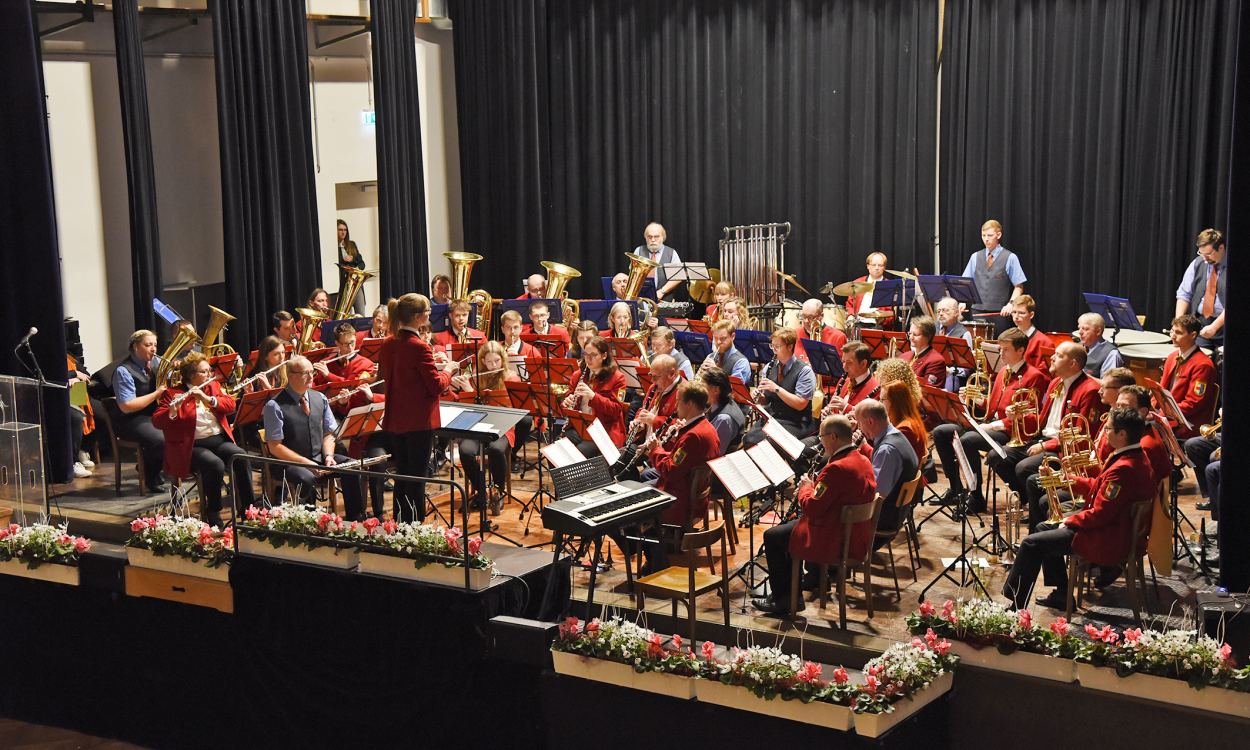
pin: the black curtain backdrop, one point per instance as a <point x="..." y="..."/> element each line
<point x="582" y="120"/>
<point x="31" y="286"/>
<point x="401" y="177"/>
<point x="145" y="240"/>
<point x="269" y="203"/>
<point x="1098" y="133"/>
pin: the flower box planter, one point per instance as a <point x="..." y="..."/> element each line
<point x="396" y="566"/>
<point x="1018" y="662"/>
<point x="1164" y="690"/>
<point x="875" y="725"/>
<point x="818" y="713"/>
<point x="326" y="556"/>
<point x="622" y="675"/>
<point x="146" y="558"/>
<point x="53" y="572"/>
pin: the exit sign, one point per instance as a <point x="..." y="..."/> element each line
<point x="368" y="117"/>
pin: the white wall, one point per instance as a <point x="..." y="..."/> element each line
<point x="440" y="145"/>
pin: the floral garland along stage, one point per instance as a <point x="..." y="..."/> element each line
<point x="188" y="538"/>
<point x="41" y="543"/>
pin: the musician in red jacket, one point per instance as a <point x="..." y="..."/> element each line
<point x="198" y="436"/>
<point x="600" y="396"/>
<point x="1190" y="376"/>
<point x="926" y="362"/>
<point x="817" y="535"/>
<point x="857" y="304"/>
<point x="510" y="327"/>
<point x="458" y="330"/>
<point x="859" y="382"/>
<point x="1041" y="348"/>
<point x="347" y="364"/>
<point x="413" y="386"/>
<point x="540" y="322"/>
<point x="696" y="444"/>
<point x="812" y="317"/>
<point x="379" y="329"/>
<point x="1099" y="533"/>
<point x="1016" y="375"/>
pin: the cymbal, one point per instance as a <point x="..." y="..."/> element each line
<point x="703" y="292"/>
<point x="902" y="274"/>
<point x="790" y="278"/>
<point x="849" y="288"/>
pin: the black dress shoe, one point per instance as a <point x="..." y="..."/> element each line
<point x="1107" y="575"/>
<point x="976" y="502"/>
<point x="1056" y="599"/>
<point x="1205" y="505"/>
<point x="770" y="605"/>
<point x="950" y="497"/>
<point x="158" y="487"/>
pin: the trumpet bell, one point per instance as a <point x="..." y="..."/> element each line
<point x="461" y="268"/>
<point x="558" y="275"/>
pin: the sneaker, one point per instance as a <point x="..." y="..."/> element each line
<point x="84" y="458"/>
<point x="81" y="471"/>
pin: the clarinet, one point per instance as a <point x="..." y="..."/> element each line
<point x="584" y="378"/>
<point x="632" y="455"/>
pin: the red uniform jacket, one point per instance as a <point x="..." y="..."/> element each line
<point x="1102" y="529"/>
<point x="852" y="306"/>
<point x="846" y="480"/>
<point x="665" y="407"/>
<point x="1003" y="391"/>
<point x="828" y="335"/>
<point x="1192" y="385"/>
<point x="856" y="393"/>
<point x="608" y="403"/>
<point x="365" y="334"/>
<point x="345" y="369"/>
<point x="412" y="381"/>
<point x="1151" y="444"/>
<point x="180" y="432"/>
<point x="697" y="443"/>
<point x="929" y="367"/>
<point x="526" y="350"/>
<point x="1039" y="350"/>
<point x="558" y="331"/>
<point x="446" y="338"/>
<point x="1082" y="398"/>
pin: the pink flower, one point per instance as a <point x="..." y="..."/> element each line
<point x="4" y="533"/>
<point x="227" y="536"/>
<point x="136" y="526"/>
<point x="592" y="627"/>
<point x="948" y="609"/>
<point x="655" y="646"/>
<point x="66" y="539"/>
<point x="1226" y="654"/>
<point x="570" y="627"/>
<point x="82" y="544"/>
<point x="917" y="643"/>
<point x="251" y="513"/>
<point x="930" y="638"/>
<point x="475" y="544"/>
<point x="810" y="672"/>
<point x="840" y="676"/>
<point x="1060" y="627"/>
<point x="676" y="642"/>
<point x="390" y="526"/>
<point x="1131" y="635"/>
<point x="14" y="528"/>
<point x="371" y="523"/>
<point x="709" y="649"/>
<point x="871" y="684"/>
<point x="452" y="539"/>
<point x="943" y="646"/>
<point x="926" y="609"/>
<point x="1025" y="619"/>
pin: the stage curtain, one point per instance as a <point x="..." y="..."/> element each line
<point x="582" y="120"/>
<point x="145" y="240"/>
<point x="269" y="203"/>
<point x="401" y="178"/>
<point x="32" y="279"/>
<point x="1098" y="133"/>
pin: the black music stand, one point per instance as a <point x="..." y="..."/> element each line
<point x="756" y="346"/>
<point x="543" y="374"/>
<point x="959" y="288"/>
<point x="947" y="407"/>
<point x="1171" y="410"/>
<point x="499" y="420"/>
<point x="696" y="346"/>
<point x="522" y="307"/>
<point x="1116" y="312"/>
<point x="824" y="359"/>
<point x="897" y="293"/>
<point x="647" y="290"/>
<point x="744" y="480"/>
<point x="551" y="344"/>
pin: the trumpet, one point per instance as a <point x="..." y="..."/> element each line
<point x="1014" y="512"/>
<point x="176" y="401"/>
<point x="1023" y="404"/>
<point x="1052" y="478"/>
<point x="1209" y="431"/>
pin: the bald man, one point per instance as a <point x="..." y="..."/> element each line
<point x="653" y="248"/>
<point x="812" y="315"/>
<point x="535" y="287"/>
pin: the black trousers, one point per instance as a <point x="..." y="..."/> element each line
<point x="412" y="457"/>
<point x="209" y="457"/>
<point x="496" y="454"/>
<point x="777" y="552"/>
<point x="1199" y="450"/>
<point x="1041" y="550"/>
<point x="304" y="483"/>
<point x="138" y="427"/>
<point x="973" y="445"/>
<point x="1018" y="467"/>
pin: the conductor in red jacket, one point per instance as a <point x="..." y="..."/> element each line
<point x="817" y="535"/>
<point x="198" y="437"/>
<point x="926" y="362"/>
<point x="1100" y="533"/>
<point x="413" y="385"/>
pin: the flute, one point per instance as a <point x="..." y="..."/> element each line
<point x="348" y="393"/>
<point x="248" y="381"/>
<point x="176" y="401"/>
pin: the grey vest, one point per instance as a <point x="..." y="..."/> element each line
<point x="727" y="362"/>
<point x="680" y="358"/>
<point x="664" y="256"/>
<point x="144" y="384"/>
<point x="734" y="412"/>
<point x="993" y="284"/>
<point x="1095" y="358"/>
<point x="889" y="509"/>
<point x="1199" y="289"/>
<point x="797" y="419"/>
<point x="957" y="330"/>
<point x="303" y="433"/>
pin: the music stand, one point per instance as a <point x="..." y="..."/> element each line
<point x="549" y="342"/>
<point x="534" y="399"/>
<point x="361" y="422"/>
<point x="316" y="355"/>
<point x="824" y="359"/>
<point x="251" y="407"/>
<point x="1171" y="410"/>
<point x="223" y="365"/>
<point x="597" y="311"/>
<point x="1167" y="403"/>
<point x="371" y="348"/>
<point x="1116" y="312"/>
<point x="328" y="326"/>
<point x="579" y="421"/>
<point x="743" y="480"/>
<point x="897" y="293"/>
<point x="522" y="307"/>
<point x="544" y="372"/>
<point x="646" y="290"/>
<point x="490" y="424"/>
<point x="637" y="375"/>
<point x="756" y="346"/>
<point x="624" y="348"/>
<point x="879" y="342"/>
<point x="696" y="346"/>
<point x="959" y="288"/>
<point x="955" y="350"/>
<point x="687" y="272"/>
<point x="440" y="317"/>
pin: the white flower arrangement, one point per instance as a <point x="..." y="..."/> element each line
<point x="41" y="543"/>
<point x="187" y="537"/>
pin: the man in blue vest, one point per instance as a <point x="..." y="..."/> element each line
<point x="655" y="249"/>
<point x="1202" y="288"/>
<point x="997" y="274"/>
<point x="786" y="387"/>
<point x="134" y="385"/>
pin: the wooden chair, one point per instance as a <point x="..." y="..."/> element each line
<point x="906" y="495"/>
<point x="105" y="415"/>
<point x="852" y="515"/>
<point x="723" y="506"/>
<point x="672" y="534"/>
<point x="1134" y="575"/>
<point x="687" y="583"/>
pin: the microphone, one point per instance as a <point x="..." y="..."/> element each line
<point x="26" y="339"/>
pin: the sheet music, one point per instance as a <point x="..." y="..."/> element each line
<point x="771" y="463"/>
<point x="993" y="355"/>
<point x="1173" y="445"/>
<point x="781" y="436"/>
<point x="994" y="446"/>
<point x="447" y="413"/>
<point x="517" y="363"/>
<point x="604" y="443"/>
<point x="562" y="453"/>
<point x="1174" y="409"/>
<point x="629" y="367"/>
<point x="971" y="481"/>
<point x="738" y="473"/>
<point x="677" y="324"/>
<point x="357" y="413"/>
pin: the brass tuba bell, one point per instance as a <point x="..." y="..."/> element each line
<point x="216" y="327"/>
<point x="353" y="280"/>
<point x="310" y="320"/>
<point x="461" y="268"/>
<point x="639" y="269"/>
<point x="558" y="276"/>
<point x="167" y="370"/>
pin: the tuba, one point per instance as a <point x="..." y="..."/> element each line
<point x="353" y="280"/>
<point x="309" y="320"/>
<point x="167" y="370"/>
<point x="1023" y="404"/>
<point x="461" y="268"/>
<point x="558" y="276"/>
<point x="216" y="327"/>
<point x="639" y="269"/>
<point x="485" y="308"/>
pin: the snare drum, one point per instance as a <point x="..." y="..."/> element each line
<point x="981" y="329"/>
<point x="1146" y="360"/>
<point x="1125" y="338"/>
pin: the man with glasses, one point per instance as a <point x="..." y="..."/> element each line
<point x="299" y="427"/>
<point x="1202" y="288"/>
<point x="786" y="387"/>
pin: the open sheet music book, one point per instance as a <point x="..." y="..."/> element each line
<point x="971" y="481"/>
<point x="562" y="453"/>
<point x="739" y="474"/>
<point x="781" y="436"/>
<point x="604" y="443"/>
<point x="771" y="463"/>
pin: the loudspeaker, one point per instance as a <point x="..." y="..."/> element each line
<point x="523" y="641"/>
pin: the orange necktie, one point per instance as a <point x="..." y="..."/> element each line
<point x="989" y="258"/>
<point x="1208" y="299"/>
<point x="303" y="402"/>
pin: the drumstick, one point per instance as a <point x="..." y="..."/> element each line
<point x="986" y="314"/>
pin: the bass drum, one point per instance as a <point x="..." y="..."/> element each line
<point x="1146" y="360"/>
<point x="835" y="315"/>
<point x="789" y="316"/>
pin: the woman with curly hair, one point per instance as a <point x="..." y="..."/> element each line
<point x="895" y="369"/>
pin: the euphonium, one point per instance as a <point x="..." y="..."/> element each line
<point x="571" y="312"/>
<point x="167" y="370"/>
<point x="485" y="307"/>
<point x="353" y="280"/>
<point x="1023" y="404"/>
<point x="216" y="326"/>
<point x="461" y="268"/>
<point x="1052" y="479"/>
<point x="310" y="319"/>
